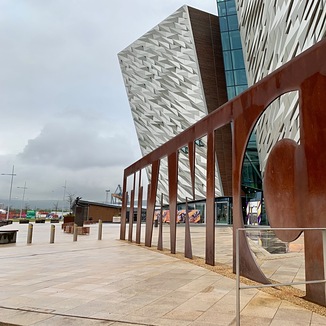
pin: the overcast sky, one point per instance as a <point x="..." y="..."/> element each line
<point x="65" y="116"/>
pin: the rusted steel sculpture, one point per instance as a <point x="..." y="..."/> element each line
<point x="188" y="247"/>
<point x="160" y="225"/>
<point x="295" y="175"/>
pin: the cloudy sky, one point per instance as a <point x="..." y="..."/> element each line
<point x="65" y="116"/>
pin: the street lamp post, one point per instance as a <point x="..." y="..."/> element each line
<point x="64" y="196"/>
<point x="12" y="174"/>
<point x="21" y="206"/>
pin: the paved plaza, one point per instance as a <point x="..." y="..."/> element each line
<point x="113" y="282"/>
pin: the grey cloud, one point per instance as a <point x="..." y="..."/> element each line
<point x="62" y="54"/>
<point x="78" y="143"/>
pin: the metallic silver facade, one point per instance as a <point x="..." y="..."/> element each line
<point x="272" y="33"/>
<point x="165" y="92"/>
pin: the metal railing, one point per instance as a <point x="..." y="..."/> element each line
<point x="239" y="287"/>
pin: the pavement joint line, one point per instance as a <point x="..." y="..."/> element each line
<point x="52" y="252"/>
<point x="223" y="269"/>
<point x="287" y="293"/>
<point x="52" y="313"/>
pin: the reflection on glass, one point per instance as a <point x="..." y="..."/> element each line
<point x="225" y="40"/>
<point x="235" y="40"/>
<point x="221" y="8"/>
<point x="233" y="22"/>
<point x="223" y="24"/>
<point x="237" y="59"/>
<point x="227" y="60"/>
<point x="231" y="91"/>
<point x="240" y="77"/>
<point x="229" y="77"/>
<point x="230" y="8"/>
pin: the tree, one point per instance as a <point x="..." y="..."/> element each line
<point x="70" y="199"/>
<point x="56" y="206"/>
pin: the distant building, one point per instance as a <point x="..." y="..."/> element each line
<point x="88" y="211"/>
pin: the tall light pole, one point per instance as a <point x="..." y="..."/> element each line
<point x="12" y="174"/>
<point x="64" y="196"/>
<point x="107" y="196"/>
<point x="21" y="206"/>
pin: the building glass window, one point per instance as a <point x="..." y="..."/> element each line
<point x="235" y="40"/>
<point x="221" y="8"/>
<point x="229" y="77"/>
<point x="240" y="77"/>
<point x="237" y="59"/>
<point x="225" y="40"/>
<point x="233" y="22"/>
<point x="230" y="7"/>
<point x="227" y="60"/>
<point x="231" y="47"/>
<point x="223" y="24"/>
<point x="231" y="92"/>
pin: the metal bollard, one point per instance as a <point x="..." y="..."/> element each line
<point x="30" y="233"/>
<point x="99" y="230"/>
<point x="75" y="232"/>
<point x="52" y="233"/>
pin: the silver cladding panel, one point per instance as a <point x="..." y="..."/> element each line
<point x="163" y="84"/>
<point x="272" y="33"/>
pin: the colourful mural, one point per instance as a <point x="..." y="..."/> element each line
<point x="194" y="216"/>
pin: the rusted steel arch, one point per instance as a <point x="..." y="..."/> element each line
<point x="247" y="110"/>
<point x="305" y="73"/>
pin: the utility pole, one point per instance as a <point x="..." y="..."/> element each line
<point x="64" y="196"/>
<point x="21" y="206"/>
<point x="12" y="174"/>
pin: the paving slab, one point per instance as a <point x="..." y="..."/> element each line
<point x="114" y="282"/>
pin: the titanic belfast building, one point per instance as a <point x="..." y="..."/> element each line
<point x="193" y="62"/>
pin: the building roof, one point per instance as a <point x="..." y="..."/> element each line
<point x="79" y="202"/>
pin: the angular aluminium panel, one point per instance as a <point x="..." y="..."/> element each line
<point x="162" y="76"/>
<point x="272" y="33"/>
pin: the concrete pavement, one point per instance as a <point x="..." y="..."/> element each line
<point x="113" y="282"/>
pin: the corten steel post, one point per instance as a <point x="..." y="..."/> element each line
<point x="131" y="215"/>
<point x="160" y="225"/>
<point x="173" y="187"/>
<point x="210" y="201"/>
<point x="139" y="211"/>
<point x="188" y="247"/>
<point x="131" y="209"/>
<point x="123" y="208"/>
<point x="313" y="140"/>
<point x="147" y="201"/>
<point x="151" y="203"/>
<point x="301" y="177"/>
<point x="191" y="156"/>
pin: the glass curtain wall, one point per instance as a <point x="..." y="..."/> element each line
<point x="236" y="82"/>
<point x="235" y="72"/>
